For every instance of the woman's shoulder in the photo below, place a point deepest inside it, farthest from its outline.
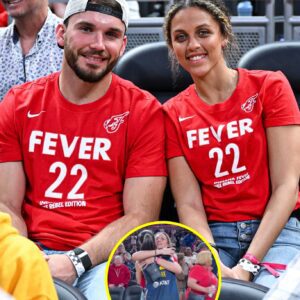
(179, 98)
(259, 75)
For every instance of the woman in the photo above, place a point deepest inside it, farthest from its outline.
(232, 148)
(182, 277)
(118, 273)
(162, 255)
(202, 282)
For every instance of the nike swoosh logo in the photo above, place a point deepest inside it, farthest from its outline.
(30, 115)
(185, 118)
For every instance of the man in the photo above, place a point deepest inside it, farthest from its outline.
(24, 273)
(82, 151)
(28, 48)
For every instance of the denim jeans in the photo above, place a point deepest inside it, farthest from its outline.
(233, 240)
(91, 283)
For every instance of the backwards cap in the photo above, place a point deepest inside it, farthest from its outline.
(77, 6)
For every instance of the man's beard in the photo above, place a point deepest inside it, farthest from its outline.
(85, 75)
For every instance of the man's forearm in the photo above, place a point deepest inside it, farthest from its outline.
(100, 246)
(142, 199)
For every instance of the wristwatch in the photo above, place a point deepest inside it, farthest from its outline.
(80, 259)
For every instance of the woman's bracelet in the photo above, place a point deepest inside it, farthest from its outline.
(250, 263)
(248, 266)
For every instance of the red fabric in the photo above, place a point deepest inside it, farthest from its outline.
(143, 281)
(225, 144)
(205, 277)
(118, 275)
(252, 258)
(271, 267)
(3, 16)
(77, 157)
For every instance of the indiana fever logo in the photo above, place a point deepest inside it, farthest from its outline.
(249, 104)
(113, 123)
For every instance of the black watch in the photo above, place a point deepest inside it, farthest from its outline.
(84, 257)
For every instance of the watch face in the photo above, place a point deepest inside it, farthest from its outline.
(145, 262)
(78, 251)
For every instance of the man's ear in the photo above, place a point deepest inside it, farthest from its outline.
(124, 45)
(60, 35)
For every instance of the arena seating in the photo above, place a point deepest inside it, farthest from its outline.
(249, 31)
(132, 292)
(283, 56)
(149, 67)
(292, 20)
(117, 293)
(233, 289)
(66, 291)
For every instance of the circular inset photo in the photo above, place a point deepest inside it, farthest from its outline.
(163, 261)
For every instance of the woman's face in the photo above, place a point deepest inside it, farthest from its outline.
(197, 41)
(161, 241)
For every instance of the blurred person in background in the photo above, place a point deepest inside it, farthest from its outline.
(28, 46)
(118, 273)
(202, 282)
(58, 7)
(158, 264)
(182, 277)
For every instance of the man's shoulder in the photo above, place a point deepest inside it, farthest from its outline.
(6, 32)
(37, 85)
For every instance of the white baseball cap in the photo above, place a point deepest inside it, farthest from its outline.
(77, 6)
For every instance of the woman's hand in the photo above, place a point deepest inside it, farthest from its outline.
(236, 272)
(226, 271)
(211, 289)
(241, 274)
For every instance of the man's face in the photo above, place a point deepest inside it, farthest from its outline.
(22, 8)
(93, 43)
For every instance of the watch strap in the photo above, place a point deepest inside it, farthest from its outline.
(84, 257)
(77, 263)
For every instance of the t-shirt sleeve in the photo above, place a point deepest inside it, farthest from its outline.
(173, 148)
(146, 150)
(194, 273)
(279, 103)
(9, 139)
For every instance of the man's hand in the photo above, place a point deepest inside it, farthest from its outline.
(62, 268)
